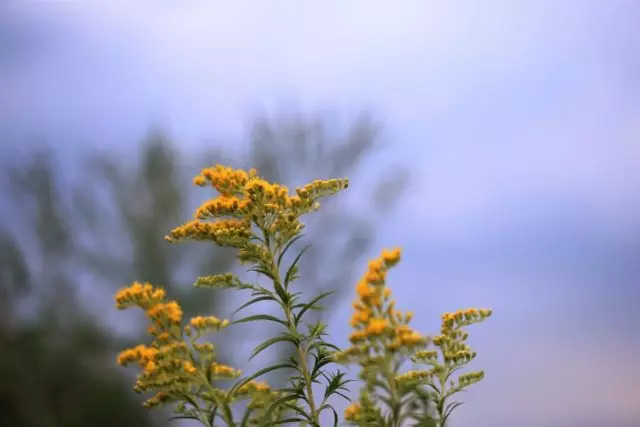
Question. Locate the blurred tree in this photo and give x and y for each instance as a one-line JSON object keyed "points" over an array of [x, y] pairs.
{"points": [[120, 211], [131, 208], [152, 195], [55, 364]]}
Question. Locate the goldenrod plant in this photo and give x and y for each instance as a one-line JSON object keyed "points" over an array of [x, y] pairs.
{"points": [[262, 221]]}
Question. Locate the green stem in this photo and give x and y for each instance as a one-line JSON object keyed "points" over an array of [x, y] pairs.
{"points": [[303, 355], [302, 352], [227, 414], [441, 399], [395, 399]]}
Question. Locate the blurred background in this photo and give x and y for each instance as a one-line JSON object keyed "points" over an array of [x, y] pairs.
{"points": [[496, 142]]}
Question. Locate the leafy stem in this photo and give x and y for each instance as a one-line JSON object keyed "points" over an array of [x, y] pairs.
{"points": [[286, 301], [394, 397]]}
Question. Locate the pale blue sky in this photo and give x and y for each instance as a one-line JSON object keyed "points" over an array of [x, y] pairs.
{"points": [[518, 119]]}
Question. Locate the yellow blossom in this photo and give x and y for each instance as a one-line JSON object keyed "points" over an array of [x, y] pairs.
{"points": [[189, 368], [377, 326], [351, 413]]}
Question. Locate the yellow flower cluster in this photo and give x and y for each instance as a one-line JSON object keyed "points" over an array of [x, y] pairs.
{"points": [[201, 322], [168, 364], [352, 412], [151, 300], [140, 353], [223, 206], [165, 366], [138, 294], [254, 386], [382, 337], [245, 198], [224, 232], [225, 180], [413, 376], [451, 340], [470, 378], [260, 396], [375, 318], [224, 371]]}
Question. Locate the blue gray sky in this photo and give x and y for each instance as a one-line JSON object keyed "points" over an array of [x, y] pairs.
{"points": [[519, 121]]}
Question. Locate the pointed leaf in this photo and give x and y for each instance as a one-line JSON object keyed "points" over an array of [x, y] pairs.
{"points": [[286, 248], [252, 377], [310, 304], [278, 402], [259, 317], [289, 276], [262, 271], [450, 407], [271, 341], [253, 301]]}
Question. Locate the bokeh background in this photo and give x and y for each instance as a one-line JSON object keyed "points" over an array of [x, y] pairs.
{"points": [[495, 141]]}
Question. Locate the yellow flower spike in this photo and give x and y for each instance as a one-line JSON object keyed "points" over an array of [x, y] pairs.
{"points": [[189, 368], [224, 371], [173, 312], [199, 181], [144, 296], [376, 265], [355, 321], [394, 346], [391, 257], [201, 322], [351, 413], [198, 322], [357, 336], [376, 301], [158, 294], [164, 337], [126, 356], [377, 326], [485, 312], [262, 387], [364, 290]]}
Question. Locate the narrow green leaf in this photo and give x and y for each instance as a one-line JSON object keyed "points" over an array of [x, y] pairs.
{"points": [[212, 417], [335, 414], [259, 317], [295, 409], [336, 383], [449, 409], [289, 276], [286, 248], [262, 271], [246, 416], [282, 293], [290, 420], [310, 305], [253, 301], [268, 343], [278, 402], [256, 375], [183, 417]]}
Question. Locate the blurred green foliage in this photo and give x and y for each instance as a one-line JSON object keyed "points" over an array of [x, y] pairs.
{"points": [[76, 232]]}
